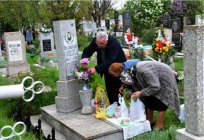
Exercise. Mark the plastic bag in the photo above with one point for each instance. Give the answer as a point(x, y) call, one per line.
point(110, 110)
point(100, 93)
point(182, 113)
point(123, 108)
point(137, 110)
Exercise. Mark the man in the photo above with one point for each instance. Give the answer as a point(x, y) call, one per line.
point(108, 51)
point(155, 85)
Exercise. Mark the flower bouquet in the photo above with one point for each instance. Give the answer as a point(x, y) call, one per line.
point(83, 75)
point(161, 46)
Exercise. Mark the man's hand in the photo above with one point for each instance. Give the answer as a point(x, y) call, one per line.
point(84, 66)
point(92, 70)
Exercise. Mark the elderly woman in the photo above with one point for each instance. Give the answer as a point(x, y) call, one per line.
point(156, 87)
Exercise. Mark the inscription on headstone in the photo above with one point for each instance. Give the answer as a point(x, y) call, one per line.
point(47, 45)
point(15, 51)
point(46, 42)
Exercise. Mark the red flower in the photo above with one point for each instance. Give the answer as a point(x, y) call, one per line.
point(159, 44)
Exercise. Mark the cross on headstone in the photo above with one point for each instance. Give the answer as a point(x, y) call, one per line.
point(194, 84)
point(67, 99)
point(16, 53)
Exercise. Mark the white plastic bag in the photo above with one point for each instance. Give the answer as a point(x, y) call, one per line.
point(123, 108)
point(182, 113)
point(137, 110)
point(110, 110)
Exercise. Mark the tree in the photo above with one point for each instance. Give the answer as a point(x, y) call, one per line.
point(99, 10)
point(144, 13)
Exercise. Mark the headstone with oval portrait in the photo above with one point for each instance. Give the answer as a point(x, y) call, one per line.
point(67, 99)
point(16, 53)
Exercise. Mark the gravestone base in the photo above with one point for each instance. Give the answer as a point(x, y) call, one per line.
point(183, 135)
point(14, 69)
point(76, 126)
point(68, 98)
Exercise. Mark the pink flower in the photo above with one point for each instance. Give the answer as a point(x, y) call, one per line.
point(84, 61)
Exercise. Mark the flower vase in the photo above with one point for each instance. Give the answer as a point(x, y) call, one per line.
point(159, 58)
point(86, 97)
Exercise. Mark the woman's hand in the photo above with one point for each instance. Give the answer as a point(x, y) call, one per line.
point(121, 89)
point(136, 94)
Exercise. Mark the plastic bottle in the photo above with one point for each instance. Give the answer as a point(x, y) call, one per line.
point(96, 104)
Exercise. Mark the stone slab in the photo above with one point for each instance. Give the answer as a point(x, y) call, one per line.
point(46, 128)
point(68, 104)
point(76, 126)
point(68, 88)
point(14, 69)
point(183, 135)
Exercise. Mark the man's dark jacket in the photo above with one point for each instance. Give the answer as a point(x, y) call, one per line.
point(113, 53)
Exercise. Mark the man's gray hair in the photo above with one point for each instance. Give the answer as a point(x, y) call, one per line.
point(102, 34)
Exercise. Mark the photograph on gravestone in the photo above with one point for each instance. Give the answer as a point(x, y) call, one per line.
point(176, 25)
point(15, 51)
point(47, 45)
point(189, 21)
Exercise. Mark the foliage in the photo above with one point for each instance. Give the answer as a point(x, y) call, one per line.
point(3, 63)
point(144, 13)
point(83, 41)
point(193, 8)
point(99, 9)
point(33, 51)
point(16, 16)
point(48, 58)
point(148, 35)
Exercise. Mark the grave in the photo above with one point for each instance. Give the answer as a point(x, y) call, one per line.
point(16, 53)
point(47, 55)
point(194, 84)
point(65, 116)
point(199, 20)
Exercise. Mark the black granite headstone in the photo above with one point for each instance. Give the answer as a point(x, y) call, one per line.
point(126, 21)
point(176, 25)
point(107, 23)
point(46, 45)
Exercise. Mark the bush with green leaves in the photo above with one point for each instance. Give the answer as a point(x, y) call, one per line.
point(3, 63)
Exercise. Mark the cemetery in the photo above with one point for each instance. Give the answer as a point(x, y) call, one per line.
point(55, 70)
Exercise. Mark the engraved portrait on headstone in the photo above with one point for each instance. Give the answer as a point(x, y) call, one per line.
point(176, 25)
point(15, 50)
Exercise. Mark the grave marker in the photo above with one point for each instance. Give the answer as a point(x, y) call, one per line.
point(67, 99)
point(194, 84)
point(16, 53)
